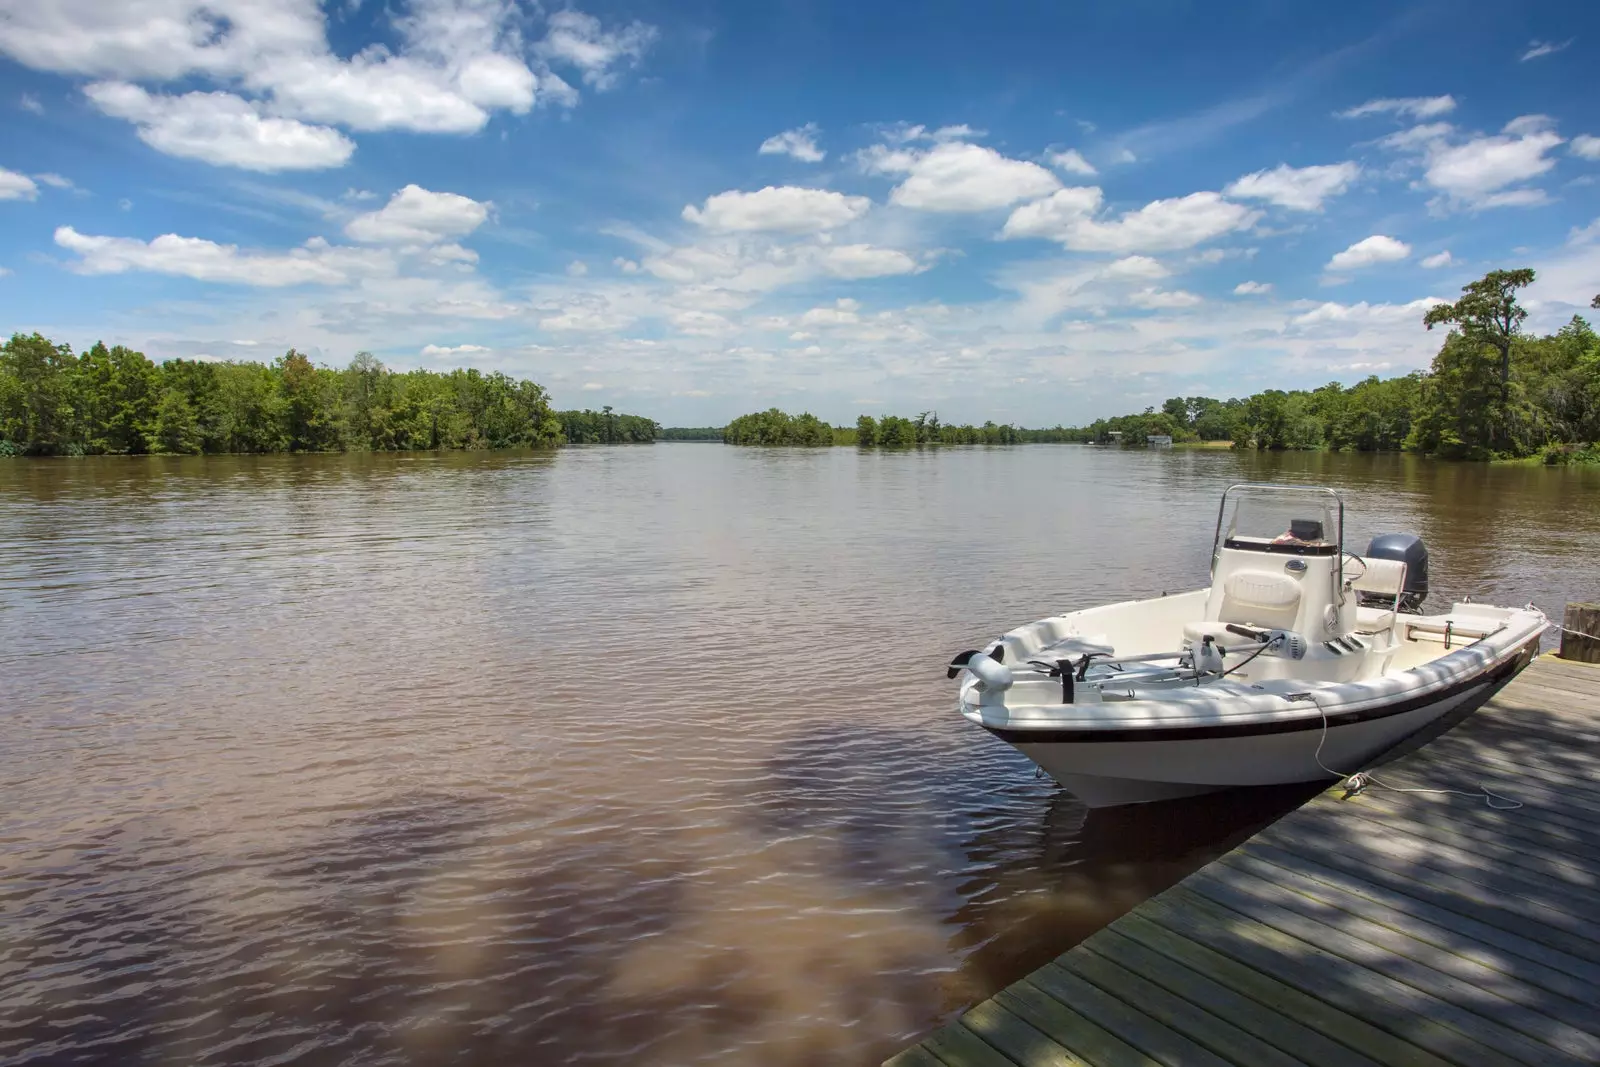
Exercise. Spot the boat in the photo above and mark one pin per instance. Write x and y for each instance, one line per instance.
(1299, 662)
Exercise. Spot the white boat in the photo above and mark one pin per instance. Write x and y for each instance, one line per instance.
(1300, 661)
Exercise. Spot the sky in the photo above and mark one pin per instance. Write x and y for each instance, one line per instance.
(1034, 213)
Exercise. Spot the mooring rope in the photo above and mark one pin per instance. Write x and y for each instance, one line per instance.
(1359, 780)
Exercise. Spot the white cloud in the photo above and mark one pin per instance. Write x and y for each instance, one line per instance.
(14, 186)
(1252, 288)
(1418, 138)
(1473, 170)
(957, 176)
(1585, 146)
(29, 102)
(447, 66)
(1416, 107)
(757, 263)
(1536, 49)
(202, 260)
(700, 323)
(626, 265)
(1369, 251)
(785, 209)
(844, 312)
(1437, 260)
(1302, 189)
(1161, 225)
(1125, 155)
(583, 42)
(867, 261)
(222, 129)
(415, 215)
(55, 181)
(801, 143)
(1331, 313)
(1163, 300)
(1136, 267)
(1072, 162)
(577, 268)
(5, 272)
(447, 351)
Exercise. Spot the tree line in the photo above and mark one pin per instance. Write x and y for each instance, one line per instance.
(117, 401)
(1492, 392)
(606, 427)
(775, 427)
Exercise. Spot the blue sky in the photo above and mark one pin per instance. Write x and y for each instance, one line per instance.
(1029, 212)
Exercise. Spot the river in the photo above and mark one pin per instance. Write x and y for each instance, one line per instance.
(635, 754)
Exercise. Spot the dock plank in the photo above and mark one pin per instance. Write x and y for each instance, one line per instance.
(1389, 928)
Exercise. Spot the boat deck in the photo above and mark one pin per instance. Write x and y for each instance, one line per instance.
(1388, 928)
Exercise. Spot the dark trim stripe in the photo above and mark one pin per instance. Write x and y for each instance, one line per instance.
(1489, 681)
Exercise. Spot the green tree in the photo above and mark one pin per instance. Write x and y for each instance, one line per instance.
(175, 428)
(117, 390)
(39, 414)
(866, 431)
(1487, 313)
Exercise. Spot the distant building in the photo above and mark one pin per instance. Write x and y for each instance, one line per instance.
(1159, 440)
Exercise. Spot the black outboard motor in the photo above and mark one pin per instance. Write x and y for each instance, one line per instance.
(1407, 549)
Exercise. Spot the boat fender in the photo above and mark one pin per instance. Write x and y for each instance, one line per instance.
(964, 659)
(992, 675)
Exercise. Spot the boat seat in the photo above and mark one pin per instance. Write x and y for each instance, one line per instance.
(1264, 599)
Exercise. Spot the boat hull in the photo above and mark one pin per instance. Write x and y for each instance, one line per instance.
(1106, 771)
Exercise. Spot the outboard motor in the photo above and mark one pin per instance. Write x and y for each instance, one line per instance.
(1408, 549)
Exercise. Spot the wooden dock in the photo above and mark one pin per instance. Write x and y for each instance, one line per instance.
(1388, 928)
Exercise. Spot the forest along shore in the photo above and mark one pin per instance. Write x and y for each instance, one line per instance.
(117, 401)
(1491, 393)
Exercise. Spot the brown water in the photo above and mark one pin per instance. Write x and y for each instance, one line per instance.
(636, 754)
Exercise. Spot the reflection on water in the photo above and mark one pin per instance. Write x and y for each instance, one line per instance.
(619, 753)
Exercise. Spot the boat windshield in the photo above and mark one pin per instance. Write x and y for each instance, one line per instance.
(1301, 522)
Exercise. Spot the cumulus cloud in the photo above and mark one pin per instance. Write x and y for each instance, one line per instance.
(202, 260)
(1369, 251)
(1068, 216)
(1476, 171)
(1473, 171)
(1135, 267)
(867, 261)
(1332, 313)
(801, 143)
(14, 186)
(415, 215)
(1252, 288)
(1302, 189)
(29, 102)
(843, 312)
(1072, 162)
(955, 176)
(1416, 107)
(785, 209)
(1538, 49)
(450, 64)
(1585, 146)
(222, 129)
(757, 263)
(1437, 260)
(1162, 299)
(448, 351)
